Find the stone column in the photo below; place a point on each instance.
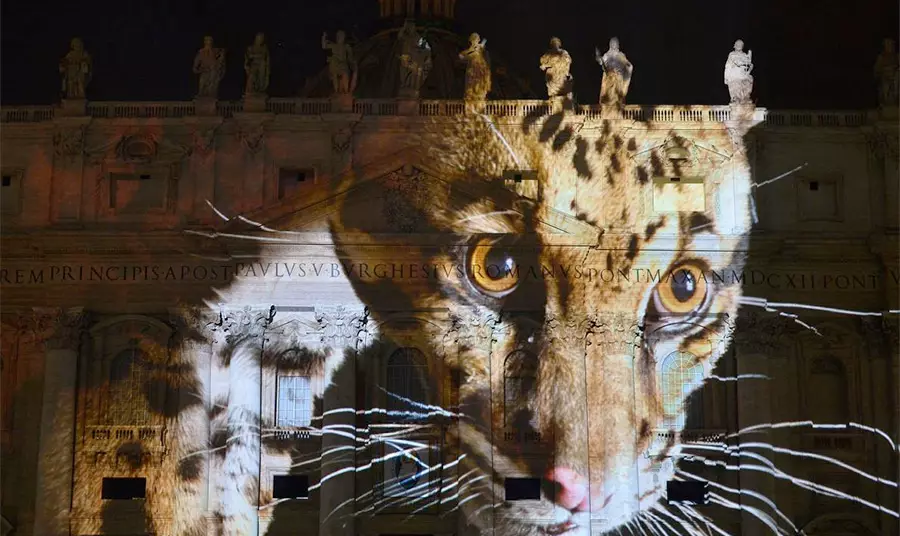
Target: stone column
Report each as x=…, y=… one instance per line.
x=62, y=332
x=756, y=345
x=245, y=330
x=341, y=331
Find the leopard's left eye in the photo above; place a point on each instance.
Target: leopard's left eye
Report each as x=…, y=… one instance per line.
x=683, y=292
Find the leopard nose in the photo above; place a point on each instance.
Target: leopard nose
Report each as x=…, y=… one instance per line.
x=571, y=489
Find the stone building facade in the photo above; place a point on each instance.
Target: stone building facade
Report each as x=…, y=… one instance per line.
x=146, y=244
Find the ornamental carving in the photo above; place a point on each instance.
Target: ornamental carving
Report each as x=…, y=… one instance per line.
x=253, y=138
x=882, y=145
x=341, y=140
x=193, y=323
x=892, y=329
x=469, y=326
x=137, y=149
x=58, y=328
x=68, y=142
x=405, y=196
x=203, y=141
x=237, y=325
x=756, y=332
x=340, y=323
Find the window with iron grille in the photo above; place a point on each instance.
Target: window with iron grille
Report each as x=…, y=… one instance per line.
x=128, y=381
x=294, y=406
x=682, y=379
x=519, y=382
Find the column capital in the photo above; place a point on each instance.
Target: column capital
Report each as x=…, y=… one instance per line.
x=756, y=332
x=237, y=324
x=58, y=328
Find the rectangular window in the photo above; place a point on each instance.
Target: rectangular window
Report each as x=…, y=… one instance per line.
x=136, y=192
x=124, y=489
x=522, y=489
x=294, y=401
x=522, y=181
x=819, y=200
x=290, y=487
x=11, y=198
x=679, y=194
x=687, y=492
x=291, y=180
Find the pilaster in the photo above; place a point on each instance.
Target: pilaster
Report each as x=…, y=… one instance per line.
x=342, y=331
x=68, y=169
x=61, y=331
x=756, y=344
x=244, y=332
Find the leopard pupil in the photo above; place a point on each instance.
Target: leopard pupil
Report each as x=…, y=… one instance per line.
x=683, y=286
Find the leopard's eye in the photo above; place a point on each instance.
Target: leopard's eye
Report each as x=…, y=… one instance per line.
x=684, y=291
x=492, y=268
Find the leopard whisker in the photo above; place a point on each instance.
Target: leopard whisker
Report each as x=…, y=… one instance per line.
x=749, y=493
x=770, y=468
x=757, y=428
x=755, y=512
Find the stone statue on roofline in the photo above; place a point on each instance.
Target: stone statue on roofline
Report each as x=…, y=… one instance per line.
x=256, y=65
x=887, y=72
x=209, y=63
x=341, y=65
x=76, y=68
x=617, y=72
x=478, y=69
x=556, y=64
x=415, y=59
x=737, y=74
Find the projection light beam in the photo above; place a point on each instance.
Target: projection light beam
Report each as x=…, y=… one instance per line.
x=750, y=493
x=770, y=468
x=502, y=139
x=759, y=302
x=783, y=175
x=757, y=428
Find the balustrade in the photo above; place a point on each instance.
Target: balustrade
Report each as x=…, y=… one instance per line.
x=448, y=108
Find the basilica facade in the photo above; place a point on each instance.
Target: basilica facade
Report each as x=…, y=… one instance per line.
x=213, y=317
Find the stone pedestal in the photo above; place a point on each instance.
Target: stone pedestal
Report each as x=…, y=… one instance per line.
x=205, y=106
x=73, y=107
x=55, y=456
x=742, y=111
x=889, y=113
x=342, y=103
x=408, y=106
x=255, y=103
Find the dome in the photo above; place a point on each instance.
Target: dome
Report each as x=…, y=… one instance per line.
x=379, y=77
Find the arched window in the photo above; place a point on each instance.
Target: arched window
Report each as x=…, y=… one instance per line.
x=128, y=377
x=519, y=382
x=681, y=382
x=406, y=387
x=826, y=396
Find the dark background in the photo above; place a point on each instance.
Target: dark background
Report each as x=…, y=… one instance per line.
x=808, y=53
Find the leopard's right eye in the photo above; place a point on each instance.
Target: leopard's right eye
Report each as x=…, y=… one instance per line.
x=491, y=268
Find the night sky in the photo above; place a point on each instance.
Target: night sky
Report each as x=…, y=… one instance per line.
x=807, y=53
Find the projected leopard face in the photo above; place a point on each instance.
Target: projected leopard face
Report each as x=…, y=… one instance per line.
x=572, y=331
